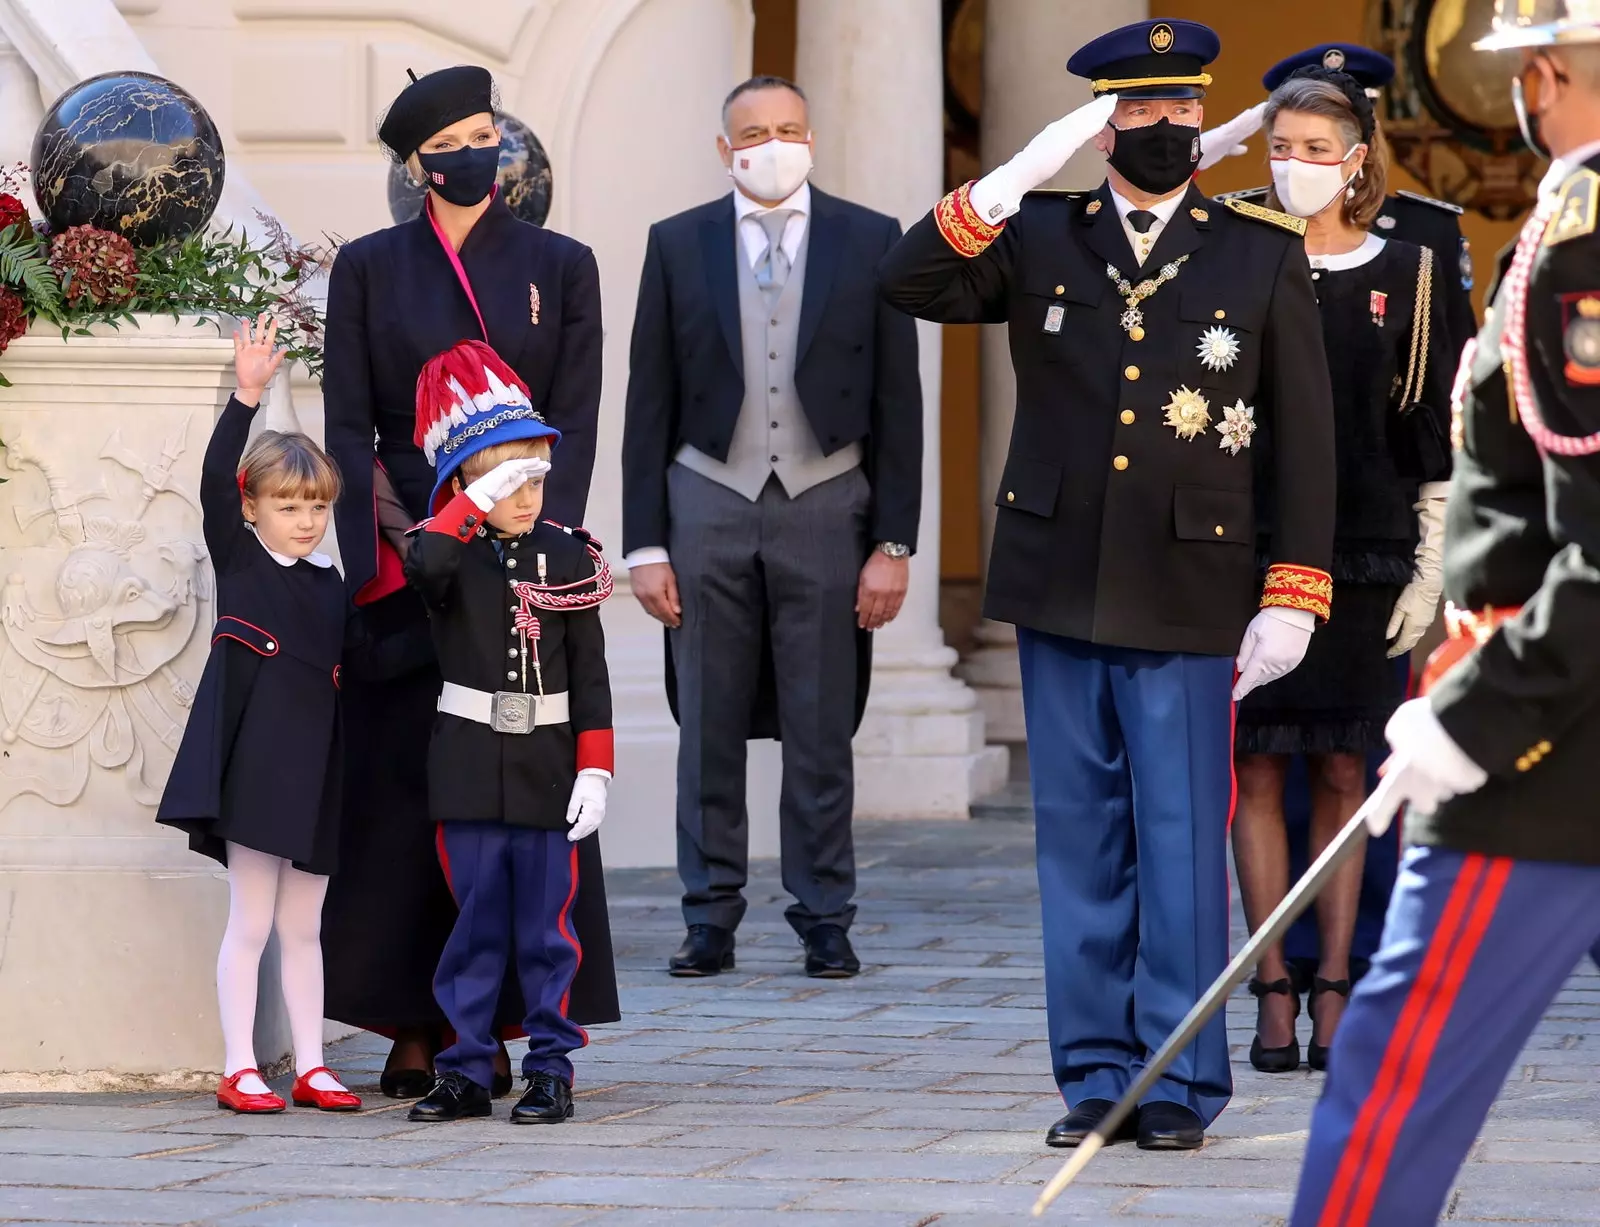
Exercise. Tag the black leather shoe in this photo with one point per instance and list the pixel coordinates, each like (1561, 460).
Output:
(705, 951)
(1071, 1129)
(828, 953)
(1169, 1126)
(454, 1097)
(547, 1101)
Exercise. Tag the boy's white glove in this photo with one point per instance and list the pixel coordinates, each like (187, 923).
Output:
(587, 809)
(1274, 643)
(1436, 767)
(1414, 611)
(504, 480)
(1226, 140)
(999, 194)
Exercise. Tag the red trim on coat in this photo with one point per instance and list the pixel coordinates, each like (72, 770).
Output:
(272, 640)
(444, 860)
(571, 937)
(597, 749)
(389, 578)
(455, 261)
(459, 513)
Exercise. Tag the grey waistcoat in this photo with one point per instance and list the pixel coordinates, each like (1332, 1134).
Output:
(772, 434)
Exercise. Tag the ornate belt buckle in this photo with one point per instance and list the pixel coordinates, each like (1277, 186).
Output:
(513, 712)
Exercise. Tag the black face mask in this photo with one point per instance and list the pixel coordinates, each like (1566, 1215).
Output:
(1157, 158)
(462, 176)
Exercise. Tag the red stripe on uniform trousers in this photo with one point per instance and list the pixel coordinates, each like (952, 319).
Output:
(444, 859)
(1421, 1052)
(1383, 1087)
(570, 936)
(1233, 762)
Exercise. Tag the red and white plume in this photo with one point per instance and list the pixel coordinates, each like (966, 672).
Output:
(456, 386)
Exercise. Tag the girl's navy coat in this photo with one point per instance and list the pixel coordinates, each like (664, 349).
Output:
(261, 757)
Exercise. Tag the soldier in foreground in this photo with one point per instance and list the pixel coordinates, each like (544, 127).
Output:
(1161, 342)
(1499, 896)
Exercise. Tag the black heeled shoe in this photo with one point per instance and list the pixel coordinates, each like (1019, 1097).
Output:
(1284, 1060)
(1316, 1054)
(500, 1083)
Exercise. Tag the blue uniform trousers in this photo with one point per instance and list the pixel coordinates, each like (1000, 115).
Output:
(1474, 949)
(1131, 754)
(515, 887)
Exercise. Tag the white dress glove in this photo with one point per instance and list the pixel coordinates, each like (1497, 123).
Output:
(504, 480)
(1226, 140)
(1419, 602)
(1435, 767)
(999, 194)
(1274, 643)
(587, 809)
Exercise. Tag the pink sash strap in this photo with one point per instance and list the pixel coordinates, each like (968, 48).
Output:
(455, 263)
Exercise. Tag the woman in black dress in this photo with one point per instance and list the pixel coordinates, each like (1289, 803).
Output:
(463, 269)
(1383, 318)
(256, 780)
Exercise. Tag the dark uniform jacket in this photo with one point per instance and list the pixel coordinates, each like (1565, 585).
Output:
(261, 757)
(1111, 528)
(1524, 529)
(464, 576)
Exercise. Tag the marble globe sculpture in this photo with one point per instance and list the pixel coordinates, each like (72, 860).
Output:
(129, 152)
(524, 177)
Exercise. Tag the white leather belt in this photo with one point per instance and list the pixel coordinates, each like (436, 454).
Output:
(505, 711)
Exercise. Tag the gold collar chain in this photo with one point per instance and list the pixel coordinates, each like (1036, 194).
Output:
(1133, 318)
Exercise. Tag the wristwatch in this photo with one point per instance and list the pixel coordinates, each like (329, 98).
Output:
(893, 549)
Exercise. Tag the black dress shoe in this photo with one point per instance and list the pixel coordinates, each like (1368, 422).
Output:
(1071, 1129)
(406, 1083)
(547, 1101)
(705, 951)
(1169, 1126)
(454, 1097)
(828, 953)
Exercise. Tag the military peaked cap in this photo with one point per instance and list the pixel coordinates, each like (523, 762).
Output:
(1371, 69)
(1149, 59)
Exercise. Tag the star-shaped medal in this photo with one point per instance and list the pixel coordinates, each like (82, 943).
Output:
(1187, 413)
(1237, 427)
(1218, 349)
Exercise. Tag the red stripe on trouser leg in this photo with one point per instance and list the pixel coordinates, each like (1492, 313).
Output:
(444, 859)
(1384, 1085)
(1421, 1052)
(564, 927)
(1233, 760)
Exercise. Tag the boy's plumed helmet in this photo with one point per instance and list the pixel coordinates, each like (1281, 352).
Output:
(467, 400)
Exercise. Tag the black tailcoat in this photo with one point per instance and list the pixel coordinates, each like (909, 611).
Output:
(1111, 528)
(261, 755)
(855, 373)
(1524, 529)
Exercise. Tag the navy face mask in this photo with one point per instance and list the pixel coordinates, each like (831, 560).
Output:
(462, 176)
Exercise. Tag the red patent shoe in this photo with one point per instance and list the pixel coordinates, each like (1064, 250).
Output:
(231, 1097)
(307, 1096)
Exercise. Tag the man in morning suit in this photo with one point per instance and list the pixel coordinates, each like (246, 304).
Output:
(1499, 891)
(1166, 347)
(772, 461)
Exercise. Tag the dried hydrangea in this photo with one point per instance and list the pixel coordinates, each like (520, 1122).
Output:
(96, 264)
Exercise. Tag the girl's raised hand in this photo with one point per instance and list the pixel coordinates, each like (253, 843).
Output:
(255, 360)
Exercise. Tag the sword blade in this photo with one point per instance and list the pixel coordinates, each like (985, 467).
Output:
(1383, 802)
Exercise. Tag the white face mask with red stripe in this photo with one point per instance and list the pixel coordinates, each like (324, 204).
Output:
(772, 170)
(1307, 188)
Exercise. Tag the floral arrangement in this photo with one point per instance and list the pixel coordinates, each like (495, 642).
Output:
(86, 275)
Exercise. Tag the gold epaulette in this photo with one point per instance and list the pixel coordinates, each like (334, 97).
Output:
(1260, 213)
(1575, 215)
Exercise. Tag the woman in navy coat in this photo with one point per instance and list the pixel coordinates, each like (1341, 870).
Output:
(463, 269)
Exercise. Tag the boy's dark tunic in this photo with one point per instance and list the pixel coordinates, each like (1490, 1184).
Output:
(261, 754)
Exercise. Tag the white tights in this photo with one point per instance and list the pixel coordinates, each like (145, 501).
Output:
(267, 893)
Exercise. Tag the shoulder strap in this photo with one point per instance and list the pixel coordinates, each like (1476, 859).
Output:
(1421, 328)
(455, 263)
(1260, 213)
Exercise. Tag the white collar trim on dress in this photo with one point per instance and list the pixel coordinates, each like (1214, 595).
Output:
(1340, 261)
(285, 560)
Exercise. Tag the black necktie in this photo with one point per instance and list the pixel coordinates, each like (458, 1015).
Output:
(1141, 220)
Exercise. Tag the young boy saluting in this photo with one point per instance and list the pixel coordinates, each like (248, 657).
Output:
(521, 753)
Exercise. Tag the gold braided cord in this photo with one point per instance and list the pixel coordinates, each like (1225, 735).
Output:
(960, 224)
(1110, 85)
(1421, 323)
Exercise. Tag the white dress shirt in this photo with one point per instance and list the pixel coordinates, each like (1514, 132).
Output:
(752, 241)
(1142, 243)
(1563, 166)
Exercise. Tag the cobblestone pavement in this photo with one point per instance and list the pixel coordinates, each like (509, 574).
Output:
(917, 1094)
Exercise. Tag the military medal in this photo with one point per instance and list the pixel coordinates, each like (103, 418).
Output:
(1378, 305)
(533, 303)
(1187, 413)
(1237, 427)
(1132, 320)
(1053, 316)
(1581, 340)
(1386, 223)
(1218, 349)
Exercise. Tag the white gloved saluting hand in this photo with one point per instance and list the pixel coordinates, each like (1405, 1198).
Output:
(587, 809)
(1419, 602)
(504, 480)
(999, 194)
(1274, 643)
(1226, 140)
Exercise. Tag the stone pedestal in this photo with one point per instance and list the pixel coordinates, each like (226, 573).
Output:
(108, 923)
(875, 79)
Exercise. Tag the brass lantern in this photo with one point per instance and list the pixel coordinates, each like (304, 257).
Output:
(1448, 113)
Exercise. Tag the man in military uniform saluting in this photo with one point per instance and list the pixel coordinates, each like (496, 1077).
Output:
(1499, 893)
(1164, 345)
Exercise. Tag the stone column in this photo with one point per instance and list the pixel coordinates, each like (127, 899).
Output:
(875, 76)
(1025, 86)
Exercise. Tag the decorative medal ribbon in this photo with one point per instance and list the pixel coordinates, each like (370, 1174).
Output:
(1135, 294)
